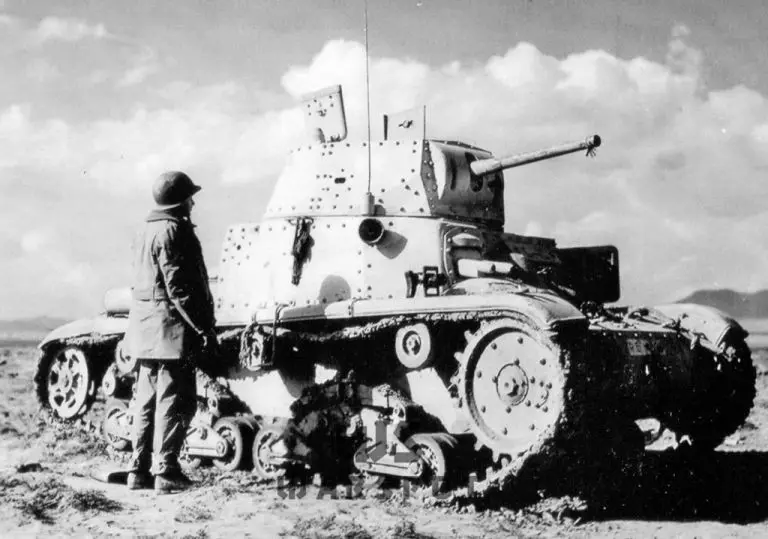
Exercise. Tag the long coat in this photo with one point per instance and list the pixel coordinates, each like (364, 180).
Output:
(172, 305)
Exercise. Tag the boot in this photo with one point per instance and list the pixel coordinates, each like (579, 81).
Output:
(172, 482)
(139, 480)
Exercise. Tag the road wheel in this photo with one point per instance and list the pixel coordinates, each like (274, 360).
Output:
(263, 464)
(435, 452)
(233, 431)
(116, 422)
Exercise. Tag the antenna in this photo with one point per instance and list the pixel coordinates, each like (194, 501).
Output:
(368, 204)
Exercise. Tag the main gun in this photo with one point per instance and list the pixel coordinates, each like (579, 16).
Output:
(481, 167)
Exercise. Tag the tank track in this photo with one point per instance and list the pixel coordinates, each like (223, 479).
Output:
(568, 348)
(732, 370)
(99, 354)
(723, 394)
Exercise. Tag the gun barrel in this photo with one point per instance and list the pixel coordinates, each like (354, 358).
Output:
(481, 167)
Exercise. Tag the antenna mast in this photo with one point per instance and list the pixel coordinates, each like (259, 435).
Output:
(368, 196)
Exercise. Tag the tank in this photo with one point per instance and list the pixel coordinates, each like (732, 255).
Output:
(379, 321)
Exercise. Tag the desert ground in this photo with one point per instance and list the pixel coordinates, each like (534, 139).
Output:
(46, 490)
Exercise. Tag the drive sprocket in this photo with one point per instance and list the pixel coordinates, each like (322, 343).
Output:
(514, 386)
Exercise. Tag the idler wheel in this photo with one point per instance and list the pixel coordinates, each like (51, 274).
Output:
(511, 385)
(69, 382)
(413, 346)
(264, 465)
(234, 432)
(113, 425)
(721, 396)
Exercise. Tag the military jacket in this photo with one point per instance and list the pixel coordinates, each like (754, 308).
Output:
(172, 304)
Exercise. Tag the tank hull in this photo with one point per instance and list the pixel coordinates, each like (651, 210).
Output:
(621, 366)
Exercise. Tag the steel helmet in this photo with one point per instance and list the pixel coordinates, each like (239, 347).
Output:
(173, 188)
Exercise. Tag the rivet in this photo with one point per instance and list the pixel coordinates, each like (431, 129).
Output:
(504, 430)
(482, 408)
(509, 409)
(545, 409)
(520, 340)
(527, 403)
(532, 427)
(479, 374)
(543, 361)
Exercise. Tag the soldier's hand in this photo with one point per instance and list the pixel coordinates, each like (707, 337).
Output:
(210, 344)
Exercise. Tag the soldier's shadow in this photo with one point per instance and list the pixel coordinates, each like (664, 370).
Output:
(671, 485)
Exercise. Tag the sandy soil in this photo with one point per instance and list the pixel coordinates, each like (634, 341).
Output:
(46, 491)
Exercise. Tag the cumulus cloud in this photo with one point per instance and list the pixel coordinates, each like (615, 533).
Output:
(68, 29)
(677, 185)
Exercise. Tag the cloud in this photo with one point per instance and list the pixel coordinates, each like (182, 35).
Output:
(41, 70)
(677, 186)
(144, 65)
(68, 29)
(34, 240)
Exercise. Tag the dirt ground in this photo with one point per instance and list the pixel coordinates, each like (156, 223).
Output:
(46, 491)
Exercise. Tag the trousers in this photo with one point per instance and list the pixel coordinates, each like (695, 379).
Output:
(165, 403)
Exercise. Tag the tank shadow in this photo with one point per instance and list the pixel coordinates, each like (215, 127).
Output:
(728, 487)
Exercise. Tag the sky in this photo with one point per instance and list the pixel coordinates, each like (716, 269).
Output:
(97, 98)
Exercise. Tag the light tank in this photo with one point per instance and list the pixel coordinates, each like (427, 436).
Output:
(379, 320)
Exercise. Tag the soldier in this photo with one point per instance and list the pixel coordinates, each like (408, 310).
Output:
(171, 322)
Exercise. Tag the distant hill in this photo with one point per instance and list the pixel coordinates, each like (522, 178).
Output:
(28, 329)
(737, 304)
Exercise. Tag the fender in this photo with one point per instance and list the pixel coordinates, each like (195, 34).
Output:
(545, 309)
(97, 326)
(709, 322)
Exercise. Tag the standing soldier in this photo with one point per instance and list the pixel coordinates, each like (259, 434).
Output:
(171, 322)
